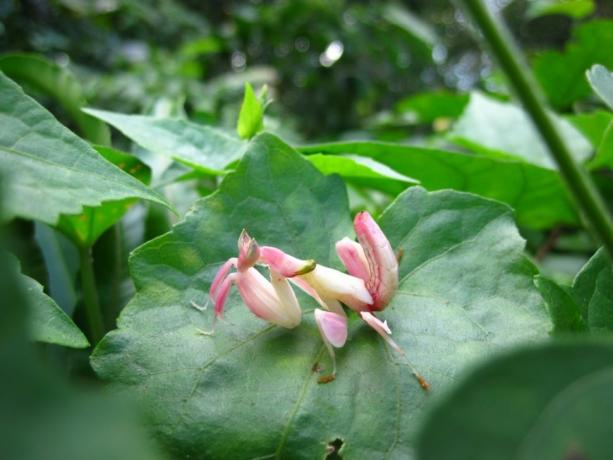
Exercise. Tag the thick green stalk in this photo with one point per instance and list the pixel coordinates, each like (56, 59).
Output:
(90, 295)
(588, 201)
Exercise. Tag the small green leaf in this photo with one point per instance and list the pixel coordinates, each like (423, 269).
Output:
(601, 81)
(562, 74)
(52, 80)
(537, 194)
(552, 401)
(48, 322)
(564, 311)
(251, 116)
(466, 291)
(363, 172)
(495, 128)
(198, 146)
(49, 171)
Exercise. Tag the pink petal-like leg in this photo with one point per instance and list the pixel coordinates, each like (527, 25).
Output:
(384, 331)
(220, 276)
(353, 258)
(283, 263)
(333, 329)
(222, 293)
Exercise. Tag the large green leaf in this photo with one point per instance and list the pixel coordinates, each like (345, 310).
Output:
(548, 402)
(48, 322)
(562, 74)
(52, 80)
(588, 304)
(49, 171)
(537, 194)
(497, 128)
(197, 146)
(251, 389)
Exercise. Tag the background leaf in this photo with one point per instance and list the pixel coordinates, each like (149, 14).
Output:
(197, 146)
(588, 303)
(573, 8)
(419, 30)
(593, 289)
(49, 171)
(427, 107)
(43, 415)
(563, 309)
(362, 171)
(604, 153)
(47, 77)
(48, 323)
(544, 402)
(463, 271)
(87, 227)
(601, 81)
(592, 125)
(497, 128)
(562, 74)
(62, 263)
(537, 194)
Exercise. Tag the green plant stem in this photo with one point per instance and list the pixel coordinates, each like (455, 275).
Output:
(591, 207)
(90, 295)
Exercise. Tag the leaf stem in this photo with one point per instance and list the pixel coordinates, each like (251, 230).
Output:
(588, 201)
(90, 295)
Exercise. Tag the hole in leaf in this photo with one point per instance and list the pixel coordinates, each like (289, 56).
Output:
(333, 448)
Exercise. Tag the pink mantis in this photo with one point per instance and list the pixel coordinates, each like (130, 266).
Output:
(368, 287)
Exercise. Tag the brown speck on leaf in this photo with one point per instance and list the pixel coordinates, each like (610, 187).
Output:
(399, 254)
(423, 383)
(326, 379)
(316, 368)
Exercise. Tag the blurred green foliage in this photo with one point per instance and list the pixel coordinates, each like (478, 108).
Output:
(404, 88)
(332, 64)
